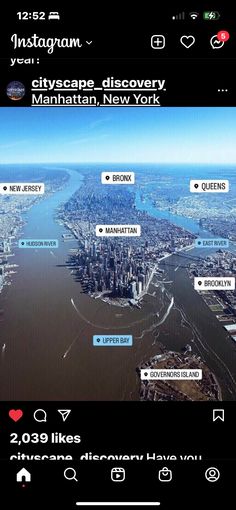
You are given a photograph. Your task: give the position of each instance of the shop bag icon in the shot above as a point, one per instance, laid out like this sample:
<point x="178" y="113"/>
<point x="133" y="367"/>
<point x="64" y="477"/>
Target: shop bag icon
<point x="165" y="475"/>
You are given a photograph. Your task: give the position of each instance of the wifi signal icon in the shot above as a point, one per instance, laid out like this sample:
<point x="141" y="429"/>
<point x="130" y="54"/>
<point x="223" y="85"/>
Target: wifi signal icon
<point x="194" y="15"/>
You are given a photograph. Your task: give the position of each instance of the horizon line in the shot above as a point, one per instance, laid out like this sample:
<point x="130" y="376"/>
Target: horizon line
<point x="116" y="163"/>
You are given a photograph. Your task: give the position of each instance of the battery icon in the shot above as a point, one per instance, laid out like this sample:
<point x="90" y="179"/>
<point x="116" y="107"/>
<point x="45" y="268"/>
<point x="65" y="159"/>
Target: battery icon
<point x="211" y="15"/>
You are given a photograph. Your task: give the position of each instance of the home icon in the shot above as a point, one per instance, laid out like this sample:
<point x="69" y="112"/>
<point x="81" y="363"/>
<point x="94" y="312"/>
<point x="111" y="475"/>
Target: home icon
<point x="23" y="476"/>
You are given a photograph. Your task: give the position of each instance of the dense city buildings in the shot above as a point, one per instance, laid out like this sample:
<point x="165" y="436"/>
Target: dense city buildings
<point x="141" y="285"/>
<point x="221" y="302"/>
<point x="120" y="267"/>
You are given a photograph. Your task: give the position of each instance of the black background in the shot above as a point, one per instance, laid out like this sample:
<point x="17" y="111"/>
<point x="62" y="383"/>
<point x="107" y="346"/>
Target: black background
<point x="124" y="428"/>
<point x="121" y="48"/>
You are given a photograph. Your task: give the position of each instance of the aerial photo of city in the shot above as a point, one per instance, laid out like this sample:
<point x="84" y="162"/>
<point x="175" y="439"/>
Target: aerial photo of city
<point x="112" y="295"/>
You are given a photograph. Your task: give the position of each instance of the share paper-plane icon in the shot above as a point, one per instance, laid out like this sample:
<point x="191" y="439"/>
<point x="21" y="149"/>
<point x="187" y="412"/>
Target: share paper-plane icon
<point x="64" y="413"/>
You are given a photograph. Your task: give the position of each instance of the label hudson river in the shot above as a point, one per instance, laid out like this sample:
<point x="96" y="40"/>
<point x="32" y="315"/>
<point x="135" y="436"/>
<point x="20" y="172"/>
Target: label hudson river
<point x="48" y="325"/>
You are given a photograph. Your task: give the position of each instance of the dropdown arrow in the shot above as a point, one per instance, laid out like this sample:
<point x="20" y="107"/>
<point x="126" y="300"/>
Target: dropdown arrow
<point x="88" y="42"/>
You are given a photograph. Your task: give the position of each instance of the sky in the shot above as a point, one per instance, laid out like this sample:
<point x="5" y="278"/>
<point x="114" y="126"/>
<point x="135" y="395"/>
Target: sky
<point x="118" y="134"/>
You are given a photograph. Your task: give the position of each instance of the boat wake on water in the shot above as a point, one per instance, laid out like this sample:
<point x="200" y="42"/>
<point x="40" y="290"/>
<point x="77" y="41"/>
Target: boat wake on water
<point x="69" y="348"/>
<point x="74" y="305"/>
<point x="3" y="350"/>
<point x="109" y="328"/>
<point x="161" y="321"/>
<point x="64" y="356"/>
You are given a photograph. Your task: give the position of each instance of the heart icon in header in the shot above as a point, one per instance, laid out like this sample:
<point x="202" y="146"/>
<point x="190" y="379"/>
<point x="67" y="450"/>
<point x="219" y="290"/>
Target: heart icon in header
<point x="187" y="40"/>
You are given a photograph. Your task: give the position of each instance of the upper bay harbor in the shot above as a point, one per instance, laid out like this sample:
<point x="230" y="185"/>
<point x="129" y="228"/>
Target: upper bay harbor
<point x="130" y="273"/>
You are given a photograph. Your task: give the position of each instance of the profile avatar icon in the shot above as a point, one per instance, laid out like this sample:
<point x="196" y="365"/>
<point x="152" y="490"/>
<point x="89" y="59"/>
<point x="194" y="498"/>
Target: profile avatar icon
<point x="15" y="90"/>
<point x="212" y="474"/>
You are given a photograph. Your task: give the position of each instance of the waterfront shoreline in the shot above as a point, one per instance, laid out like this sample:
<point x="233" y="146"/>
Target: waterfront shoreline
<point x="48" y="326"/>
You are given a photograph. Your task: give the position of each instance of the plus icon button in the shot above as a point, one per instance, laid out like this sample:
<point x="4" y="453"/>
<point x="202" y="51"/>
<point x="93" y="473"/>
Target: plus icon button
<point x="158" y="42"/>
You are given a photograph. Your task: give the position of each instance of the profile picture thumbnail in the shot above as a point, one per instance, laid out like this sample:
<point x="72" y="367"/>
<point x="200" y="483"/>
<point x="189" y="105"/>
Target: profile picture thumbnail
<point x="15" y="90"/>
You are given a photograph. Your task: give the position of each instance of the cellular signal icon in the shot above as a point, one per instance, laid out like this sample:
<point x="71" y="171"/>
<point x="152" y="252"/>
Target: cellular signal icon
<point x="194" y="15"/>
<point x="179" y="16"/>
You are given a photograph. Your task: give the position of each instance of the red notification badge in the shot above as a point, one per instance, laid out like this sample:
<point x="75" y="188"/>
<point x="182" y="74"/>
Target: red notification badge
<point x="223" y="35"/>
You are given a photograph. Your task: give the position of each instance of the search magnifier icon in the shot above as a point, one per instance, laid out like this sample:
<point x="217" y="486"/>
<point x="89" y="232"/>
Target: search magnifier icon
<point x="70" y="474"/>
<point x="40" y="415"/>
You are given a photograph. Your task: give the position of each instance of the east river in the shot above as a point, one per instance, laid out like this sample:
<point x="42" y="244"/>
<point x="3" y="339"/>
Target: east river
<point x="48" y="323"/>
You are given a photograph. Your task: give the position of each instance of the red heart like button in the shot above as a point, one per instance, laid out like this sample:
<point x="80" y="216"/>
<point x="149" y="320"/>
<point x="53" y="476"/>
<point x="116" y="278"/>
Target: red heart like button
<point x="15" y="414"/>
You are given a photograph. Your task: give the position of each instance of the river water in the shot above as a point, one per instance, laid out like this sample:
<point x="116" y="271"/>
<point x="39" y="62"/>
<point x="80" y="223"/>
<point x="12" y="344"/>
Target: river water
<point x="49" y="353"/>
<point x="181" y="221"/>
<point x="211" y="341"/>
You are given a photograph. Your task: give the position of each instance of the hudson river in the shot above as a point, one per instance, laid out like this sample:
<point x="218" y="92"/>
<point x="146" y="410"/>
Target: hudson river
<point x="49" y="353"/>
